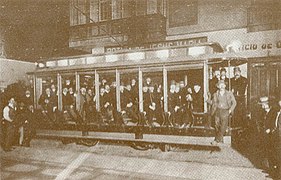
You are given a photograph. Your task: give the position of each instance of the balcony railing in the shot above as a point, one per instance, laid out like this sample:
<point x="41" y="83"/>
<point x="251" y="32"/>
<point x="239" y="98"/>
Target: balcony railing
<point x="137" y="29"/>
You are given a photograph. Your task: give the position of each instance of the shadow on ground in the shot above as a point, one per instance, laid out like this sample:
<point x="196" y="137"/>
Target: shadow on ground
<point x="250" y="144"/>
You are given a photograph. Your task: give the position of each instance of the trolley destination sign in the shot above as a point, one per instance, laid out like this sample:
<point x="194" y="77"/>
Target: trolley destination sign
<point x="155" y="45"/>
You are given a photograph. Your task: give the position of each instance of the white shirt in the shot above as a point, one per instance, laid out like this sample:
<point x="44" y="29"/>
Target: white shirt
<point x="277" y="117"/>
<point x="6" y="113"/>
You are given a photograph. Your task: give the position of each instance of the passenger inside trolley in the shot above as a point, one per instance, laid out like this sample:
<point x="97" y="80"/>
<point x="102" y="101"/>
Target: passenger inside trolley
<point x="110" y="98"/>
<point x="183" y="99"/>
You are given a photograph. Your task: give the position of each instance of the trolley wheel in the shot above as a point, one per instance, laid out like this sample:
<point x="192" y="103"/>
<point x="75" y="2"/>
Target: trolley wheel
<point x="165" y="147"/>
<point x="140" y="146"/>
<point x="87" y="142"/>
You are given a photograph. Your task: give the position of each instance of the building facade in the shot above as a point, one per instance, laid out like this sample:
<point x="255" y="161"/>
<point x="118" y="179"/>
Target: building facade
<point x="96" y="23"/>
<point x="253" y="27"/>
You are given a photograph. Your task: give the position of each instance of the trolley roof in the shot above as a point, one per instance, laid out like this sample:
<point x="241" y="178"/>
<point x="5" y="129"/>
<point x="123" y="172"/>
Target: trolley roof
<point x="218" y="57"/>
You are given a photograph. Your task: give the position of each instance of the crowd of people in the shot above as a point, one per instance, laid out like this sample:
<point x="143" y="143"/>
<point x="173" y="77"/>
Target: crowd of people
<point x="226" y="101"/>
<point x="17" y="125"/>
<point x="80" y="107"/>
<point x="268" y="120"/>
<point x="229" y="101"/>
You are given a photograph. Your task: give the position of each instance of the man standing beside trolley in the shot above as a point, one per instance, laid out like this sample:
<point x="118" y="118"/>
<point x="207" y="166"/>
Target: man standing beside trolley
<point x="239" y="89"/>
<point x="223" y="105"/>
<point x="275" y="130"/>
<point x="9" y="117"/>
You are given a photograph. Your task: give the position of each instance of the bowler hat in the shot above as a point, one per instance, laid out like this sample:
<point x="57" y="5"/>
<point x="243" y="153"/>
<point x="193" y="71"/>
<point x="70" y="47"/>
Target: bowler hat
<point x="222" y="69"/>
<point x="237" y="68"/>
<point x="264" y="100"/>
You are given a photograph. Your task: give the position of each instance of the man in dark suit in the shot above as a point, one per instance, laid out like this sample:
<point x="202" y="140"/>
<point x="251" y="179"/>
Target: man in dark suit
<point x="68" y="105"/>
<point x="269" y="116"/>
<point x="135" y="91"/>
<point x="27" y="99"/>
<point x="213" y="82"/>
<point x="223" y="105"/>
<point x="278" y="133"/>
<point x="271" y="140"/>
<point x="275" y="131"/>
<point x="47" y="105"/>
<point x="238" y="87"/>
<point x="224" y="77"/>
<point x="238" y="83"/>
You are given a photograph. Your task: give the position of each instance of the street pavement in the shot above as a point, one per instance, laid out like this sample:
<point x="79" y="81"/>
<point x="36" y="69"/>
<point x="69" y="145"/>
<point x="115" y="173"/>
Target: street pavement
<point x="49" y="159"/>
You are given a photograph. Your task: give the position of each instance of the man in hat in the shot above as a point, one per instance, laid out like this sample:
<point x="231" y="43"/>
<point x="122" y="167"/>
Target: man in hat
<point x="82" y="108"/>
<point x="273" y="132"/>
<point x="259" y="112"/>
<point x="82" y="105"/>
<point x="223" y="77"/>
<point x="277" y="134"/>
<point x="223" y="105"/>
<point x="238" y="87"/>
<point x="213" y="82"/>
<point x="27" y="99"/>
<point x="48" y="105"/>
<point x="238" y="82"/>
<point x="269" y="116"/>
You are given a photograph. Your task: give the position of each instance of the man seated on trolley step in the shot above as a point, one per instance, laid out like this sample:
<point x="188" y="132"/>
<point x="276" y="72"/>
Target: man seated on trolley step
<point x="223" y="105"/>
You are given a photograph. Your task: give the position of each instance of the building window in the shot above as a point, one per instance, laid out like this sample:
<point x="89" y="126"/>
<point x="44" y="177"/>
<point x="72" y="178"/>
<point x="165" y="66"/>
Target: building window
<point x="128" y="8"/>
<point x="264" y="16"/>
<point x="105" y="10"/>
<point x="141" y="7"/>
<point x="183" y="12"/>
<point x="76" y="16"/>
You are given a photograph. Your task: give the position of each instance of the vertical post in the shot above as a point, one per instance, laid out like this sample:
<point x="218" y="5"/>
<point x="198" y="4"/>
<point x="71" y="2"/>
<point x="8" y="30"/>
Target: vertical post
<point x="39" y="89"/>
<point x="59" y="92"/>
<point x="139" y="132"/>
<point x="248" y="87"/>
<point x="118" y="100"/>
<point x="165" y="89"/>
<point x="185" y="80"/>
<point x="77" y="80"/>
<point x="211" y="73"/>
<point x="97" y="90"/>
<point x="140" y="92"/>
<point x="35" y="93"/>
<point x="206" y="84"/>
<point x="229" y="82"/>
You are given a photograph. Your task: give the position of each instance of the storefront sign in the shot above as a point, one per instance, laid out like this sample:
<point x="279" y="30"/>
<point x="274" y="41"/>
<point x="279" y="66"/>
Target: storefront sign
<point x="263" y="46"/>
<point x="156" y="45"/>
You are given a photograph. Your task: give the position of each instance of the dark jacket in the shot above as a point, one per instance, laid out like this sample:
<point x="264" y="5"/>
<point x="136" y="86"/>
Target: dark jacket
<point x="67" y="100"/>
<point x="270" y="117"/>
<point x="28" y="101"/>
<point x="274" y="126"/>
<point x="238" y="86"/>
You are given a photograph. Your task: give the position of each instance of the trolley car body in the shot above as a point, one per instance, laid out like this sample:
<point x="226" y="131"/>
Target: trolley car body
<point x="188" y="65"/>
